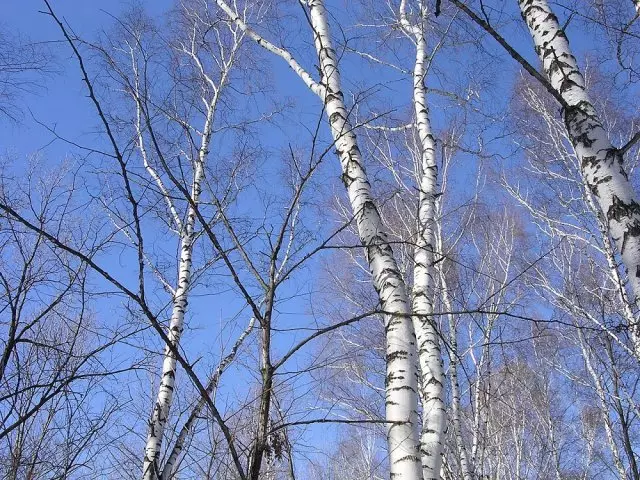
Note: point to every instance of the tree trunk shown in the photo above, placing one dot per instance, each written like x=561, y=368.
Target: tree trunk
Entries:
x=266, y=392
x=401, y=381
x=157, y=423
x=171, y=465
x=429, y=355
x=625, y=427
x=604, y=406
x=601, y=163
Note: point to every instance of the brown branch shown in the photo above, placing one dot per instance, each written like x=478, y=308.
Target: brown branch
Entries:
x=627, y=146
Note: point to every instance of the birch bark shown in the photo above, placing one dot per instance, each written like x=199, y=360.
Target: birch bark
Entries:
x=423, y=293
x=164, y=399
x=401, y=388
x=601, y=163
x=465, y=467
x=171, y=465
x=401, y=378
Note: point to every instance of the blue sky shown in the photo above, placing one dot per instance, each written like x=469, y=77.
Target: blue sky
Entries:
x=63, y=104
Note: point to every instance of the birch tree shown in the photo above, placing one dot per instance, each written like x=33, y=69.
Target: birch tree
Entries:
x=212, y=85
x=134, y=82
x=424, y=277
x=153, y=150
x=217, y=314
x=401, y=388
x=581, y=277
x=601, y=163
x=577, y=221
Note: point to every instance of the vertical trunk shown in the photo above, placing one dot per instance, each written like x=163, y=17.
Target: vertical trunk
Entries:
x=481, y=397
x=157, y=423
x=604, y=406
x=467, y=473
x=627, y=441
x=616, y=278
x=466, y=467
x=401, y=380
x=266, y=390
x=432, y=375
x=601, y=162
x=555, y=448
x=171, y=465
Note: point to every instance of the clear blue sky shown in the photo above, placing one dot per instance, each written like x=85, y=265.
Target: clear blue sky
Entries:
x=64, y=104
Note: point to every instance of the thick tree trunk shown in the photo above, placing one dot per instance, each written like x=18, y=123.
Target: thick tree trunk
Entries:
x=157, y=423
x=401, y=388
x=601, y=163
x=429, y=355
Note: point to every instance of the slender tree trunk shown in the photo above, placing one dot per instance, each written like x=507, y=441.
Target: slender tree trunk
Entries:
x=466, y=467
x=604, y=407
x=625, y=428
x=401, y=382
x=482, y=395
x=266, y=391
x=455, y=397
x=157, y=423
x=429, y=355
x=601, y=163
x=171, y=465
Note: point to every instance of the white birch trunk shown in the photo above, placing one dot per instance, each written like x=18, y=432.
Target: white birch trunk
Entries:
x=455, y=387
x=172, y=463
x=164, y=398
x=604, y=407
x=429, y=355
x=401, y=388
x=466, y=467
x=401, y=380
x=601, y=163
x=616, y=278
